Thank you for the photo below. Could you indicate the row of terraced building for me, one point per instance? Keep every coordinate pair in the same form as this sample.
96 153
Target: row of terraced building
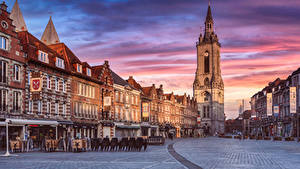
47 91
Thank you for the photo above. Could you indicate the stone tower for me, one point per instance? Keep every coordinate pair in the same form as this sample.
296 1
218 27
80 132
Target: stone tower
208 86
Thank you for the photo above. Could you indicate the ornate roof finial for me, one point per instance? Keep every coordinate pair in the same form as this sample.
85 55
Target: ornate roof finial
50 36
17 17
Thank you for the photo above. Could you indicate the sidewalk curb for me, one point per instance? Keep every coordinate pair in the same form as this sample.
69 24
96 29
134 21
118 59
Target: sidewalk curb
181 159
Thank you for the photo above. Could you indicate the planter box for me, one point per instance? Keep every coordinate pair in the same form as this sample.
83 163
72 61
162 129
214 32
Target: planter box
252 137
267 138
259 138
227 137
289 139
277 139
245 137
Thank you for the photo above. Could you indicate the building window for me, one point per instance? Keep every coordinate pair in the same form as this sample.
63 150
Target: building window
116 112
3 42
43 57
49 107
3 71
79 68
64 86
56 84
76 109
40 107
48 82
206 96
60 63
3 100
17 72
16 102
117 96
56 108
30 105
206 62
88 72
64 109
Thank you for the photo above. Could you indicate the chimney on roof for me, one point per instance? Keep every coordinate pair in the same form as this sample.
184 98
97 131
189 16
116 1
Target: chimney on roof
106 62
3 6
130 77
153 85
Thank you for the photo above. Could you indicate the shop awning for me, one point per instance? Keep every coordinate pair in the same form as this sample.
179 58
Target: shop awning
128 127
2 123
28 122
65 122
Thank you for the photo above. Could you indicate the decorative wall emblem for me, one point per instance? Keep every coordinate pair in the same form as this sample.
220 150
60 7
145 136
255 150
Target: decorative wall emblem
4 24
36 84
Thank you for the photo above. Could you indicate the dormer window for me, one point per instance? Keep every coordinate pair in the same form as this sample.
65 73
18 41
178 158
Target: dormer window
43 57
88 72
79 68
60 63
3 42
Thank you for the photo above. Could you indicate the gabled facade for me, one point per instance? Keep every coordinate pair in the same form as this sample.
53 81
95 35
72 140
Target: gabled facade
12 68
127 108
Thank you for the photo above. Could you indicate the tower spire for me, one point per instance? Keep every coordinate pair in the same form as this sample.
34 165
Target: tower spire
209 22
50 36
17 17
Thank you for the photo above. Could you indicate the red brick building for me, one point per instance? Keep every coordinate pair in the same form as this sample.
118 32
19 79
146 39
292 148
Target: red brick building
12 73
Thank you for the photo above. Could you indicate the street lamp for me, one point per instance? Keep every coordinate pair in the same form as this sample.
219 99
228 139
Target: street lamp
7 154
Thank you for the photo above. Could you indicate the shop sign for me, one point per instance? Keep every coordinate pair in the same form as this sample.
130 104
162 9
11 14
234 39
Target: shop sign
107 101
276 110
145 110
269 104
292 100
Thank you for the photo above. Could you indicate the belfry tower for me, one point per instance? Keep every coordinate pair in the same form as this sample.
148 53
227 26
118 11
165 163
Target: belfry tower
208 86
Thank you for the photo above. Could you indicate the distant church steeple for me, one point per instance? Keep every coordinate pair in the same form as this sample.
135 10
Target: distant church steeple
17 17
50 36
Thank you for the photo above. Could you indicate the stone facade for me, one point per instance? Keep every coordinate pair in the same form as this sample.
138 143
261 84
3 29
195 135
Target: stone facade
208 85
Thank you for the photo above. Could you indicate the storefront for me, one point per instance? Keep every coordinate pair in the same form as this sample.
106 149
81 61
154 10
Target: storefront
36 130
81 130
145 129
127 130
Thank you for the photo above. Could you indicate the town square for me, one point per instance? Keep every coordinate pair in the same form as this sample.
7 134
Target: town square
199 84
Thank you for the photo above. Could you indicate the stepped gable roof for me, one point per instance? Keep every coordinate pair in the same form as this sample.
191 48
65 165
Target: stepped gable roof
147 90
134 83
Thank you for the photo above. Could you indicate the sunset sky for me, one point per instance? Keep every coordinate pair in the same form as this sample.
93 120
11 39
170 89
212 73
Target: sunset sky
154 40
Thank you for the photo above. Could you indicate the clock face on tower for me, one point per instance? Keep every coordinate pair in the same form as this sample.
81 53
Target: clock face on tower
206 54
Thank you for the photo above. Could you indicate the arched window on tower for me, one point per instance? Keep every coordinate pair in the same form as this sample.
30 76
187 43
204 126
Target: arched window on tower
206 96
206 62
206 81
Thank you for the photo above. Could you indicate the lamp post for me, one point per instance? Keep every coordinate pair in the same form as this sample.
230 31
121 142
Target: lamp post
7 154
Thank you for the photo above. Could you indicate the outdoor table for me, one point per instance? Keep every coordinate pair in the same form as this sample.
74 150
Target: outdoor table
15 145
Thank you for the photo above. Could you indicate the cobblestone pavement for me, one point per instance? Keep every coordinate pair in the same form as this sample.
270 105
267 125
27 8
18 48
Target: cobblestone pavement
156 157
217 153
